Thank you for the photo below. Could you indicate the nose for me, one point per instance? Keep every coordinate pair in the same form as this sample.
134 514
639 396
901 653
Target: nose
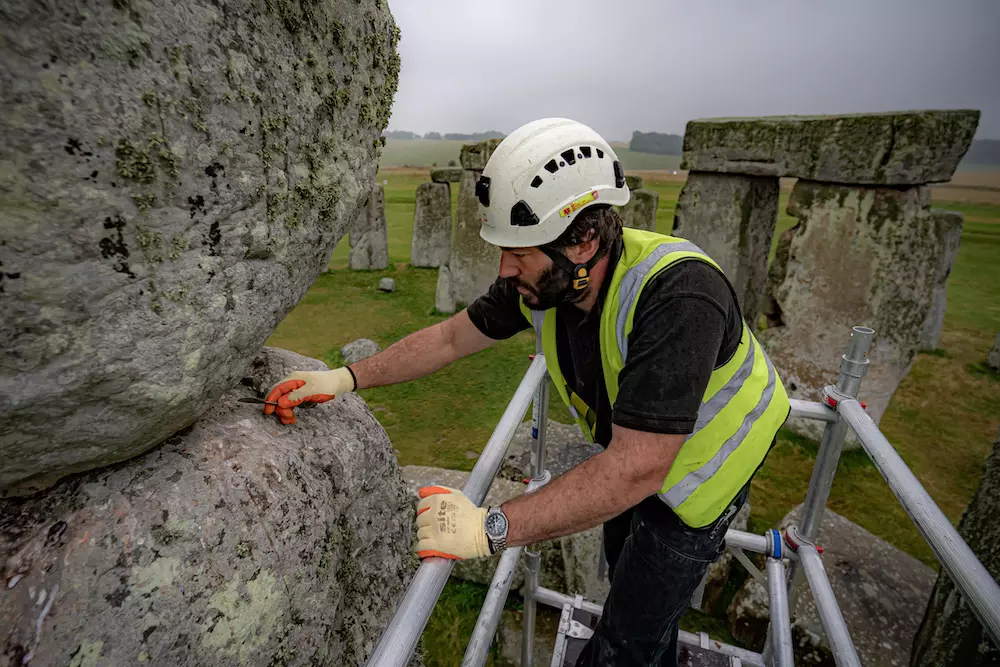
508 265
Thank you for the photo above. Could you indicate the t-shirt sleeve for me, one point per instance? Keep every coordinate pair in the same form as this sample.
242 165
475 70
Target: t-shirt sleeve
497 314
679 330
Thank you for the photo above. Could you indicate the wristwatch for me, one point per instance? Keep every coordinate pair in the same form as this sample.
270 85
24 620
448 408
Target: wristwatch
496 529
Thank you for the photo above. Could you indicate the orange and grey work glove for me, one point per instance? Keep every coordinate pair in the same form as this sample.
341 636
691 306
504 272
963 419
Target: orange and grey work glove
449 525
307 387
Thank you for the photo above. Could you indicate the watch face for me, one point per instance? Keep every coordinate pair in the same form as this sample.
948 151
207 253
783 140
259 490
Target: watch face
496 524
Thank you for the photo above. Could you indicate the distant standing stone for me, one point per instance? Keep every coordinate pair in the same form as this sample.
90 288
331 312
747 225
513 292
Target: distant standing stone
633 182
387 285
369 234
640 211
948 225
446 175
993 360
359 349
444 298
431 244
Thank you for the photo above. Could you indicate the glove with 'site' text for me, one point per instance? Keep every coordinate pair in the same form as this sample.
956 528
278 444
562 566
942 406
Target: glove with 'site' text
449 525
307 387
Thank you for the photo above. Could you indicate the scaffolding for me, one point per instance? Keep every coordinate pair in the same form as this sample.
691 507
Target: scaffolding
789 556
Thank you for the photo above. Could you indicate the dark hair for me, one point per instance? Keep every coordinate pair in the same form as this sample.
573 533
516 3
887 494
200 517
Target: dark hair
602 219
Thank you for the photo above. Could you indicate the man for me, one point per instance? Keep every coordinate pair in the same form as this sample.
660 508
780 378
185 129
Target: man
644 342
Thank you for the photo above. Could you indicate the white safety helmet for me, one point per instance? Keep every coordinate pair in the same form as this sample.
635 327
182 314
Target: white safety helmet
539 179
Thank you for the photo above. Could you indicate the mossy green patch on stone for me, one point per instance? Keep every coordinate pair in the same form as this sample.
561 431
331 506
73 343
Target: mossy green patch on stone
87 655
178 244
150 242
144 202
246 620
161 572
133 163
243 549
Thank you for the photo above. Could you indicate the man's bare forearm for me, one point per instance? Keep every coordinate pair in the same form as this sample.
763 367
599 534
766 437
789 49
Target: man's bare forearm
421 353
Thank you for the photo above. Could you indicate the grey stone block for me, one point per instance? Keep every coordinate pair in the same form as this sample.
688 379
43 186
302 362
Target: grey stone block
732 218
444 299
446 175
359 349
474 263
475 156
171 190
370 235
633 181
431 242
896 148
949 229
640 211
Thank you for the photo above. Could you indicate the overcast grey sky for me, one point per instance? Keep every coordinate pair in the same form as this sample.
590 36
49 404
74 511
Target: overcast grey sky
473 65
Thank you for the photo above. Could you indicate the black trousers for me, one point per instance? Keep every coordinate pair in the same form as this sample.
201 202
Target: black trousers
655 563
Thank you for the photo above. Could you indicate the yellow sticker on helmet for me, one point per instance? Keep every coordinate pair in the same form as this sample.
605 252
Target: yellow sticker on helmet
576 205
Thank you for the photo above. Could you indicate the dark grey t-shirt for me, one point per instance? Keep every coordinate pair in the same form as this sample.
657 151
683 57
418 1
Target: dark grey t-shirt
687 323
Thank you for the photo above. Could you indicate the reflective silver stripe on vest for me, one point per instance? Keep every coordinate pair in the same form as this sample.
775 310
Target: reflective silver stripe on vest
684 488
710 408
629 288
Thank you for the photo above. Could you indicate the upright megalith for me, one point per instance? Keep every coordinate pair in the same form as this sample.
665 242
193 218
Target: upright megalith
174 178
370 235
949 229
858 256
732 218
473 262
640 211
431 244
237 541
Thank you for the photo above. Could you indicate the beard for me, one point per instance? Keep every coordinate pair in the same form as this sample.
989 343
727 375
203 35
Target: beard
554 289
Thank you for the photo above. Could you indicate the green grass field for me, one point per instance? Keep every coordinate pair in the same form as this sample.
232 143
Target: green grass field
942 418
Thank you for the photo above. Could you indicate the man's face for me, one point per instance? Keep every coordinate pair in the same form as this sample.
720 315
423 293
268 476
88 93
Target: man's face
539 282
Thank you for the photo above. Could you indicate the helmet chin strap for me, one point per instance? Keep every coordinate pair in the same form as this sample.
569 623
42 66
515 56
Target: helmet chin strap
579 273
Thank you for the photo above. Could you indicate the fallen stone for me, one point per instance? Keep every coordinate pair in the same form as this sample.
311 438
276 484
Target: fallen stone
446 175
444 299
475 156
565 448
236 541
949 229
473 262
370 235
640 211
633 181
387 285
877 587
567 564
993 358
896 148
431 244
732 218
858 256
359 349
150 243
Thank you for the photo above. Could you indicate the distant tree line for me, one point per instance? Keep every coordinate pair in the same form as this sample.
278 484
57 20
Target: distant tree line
655 142
456 136
983 151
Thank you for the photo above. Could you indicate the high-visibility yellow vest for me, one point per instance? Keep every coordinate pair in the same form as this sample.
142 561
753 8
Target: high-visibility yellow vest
743 407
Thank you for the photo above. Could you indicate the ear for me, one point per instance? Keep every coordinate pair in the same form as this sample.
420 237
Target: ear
583 251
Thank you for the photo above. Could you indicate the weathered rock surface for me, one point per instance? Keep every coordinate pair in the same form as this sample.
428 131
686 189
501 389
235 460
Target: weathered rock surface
993 358
567 564
897 148
565 448
633 181
475 156
640 211
858 256
175 176
732 218
444 298
949 229
431 244
236 542
474 263
359 349
950 635
386 285
877 586
369 234
446 175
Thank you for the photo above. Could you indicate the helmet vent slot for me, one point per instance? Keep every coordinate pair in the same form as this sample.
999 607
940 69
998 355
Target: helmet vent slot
521 215
537 182
569 156
551 166
600 153
585 151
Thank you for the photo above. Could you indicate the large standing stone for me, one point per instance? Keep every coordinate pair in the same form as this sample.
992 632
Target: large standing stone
897 148
431 243
370 235
444 299
174 176
993 358
877 587
949 228
858 256
475 156
474 262
640 211
950 635
236 542
732 218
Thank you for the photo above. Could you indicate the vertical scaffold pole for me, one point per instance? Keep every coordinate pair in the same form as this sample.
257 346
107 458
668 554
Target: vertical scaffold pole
539 476
853 366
